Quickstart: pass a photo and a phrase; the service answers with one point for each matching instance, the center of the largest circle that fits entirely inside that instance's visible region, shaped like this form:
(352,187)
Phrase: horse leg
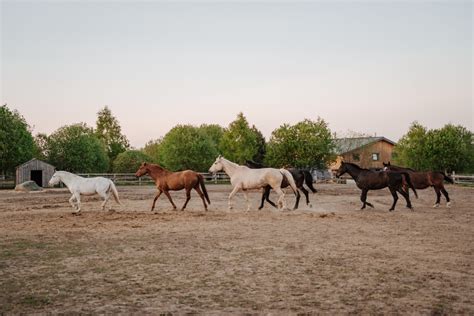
(266,196)
(297,202)
(188,197)
(406,195)
(281,198)
(78,201)
(438,197)
(71,201)
(198,190)
(246,199)
(395,198)
(363,198)
(106,197)
(446,195)
(231,195)
(306,193)
(156,198)
(169,198)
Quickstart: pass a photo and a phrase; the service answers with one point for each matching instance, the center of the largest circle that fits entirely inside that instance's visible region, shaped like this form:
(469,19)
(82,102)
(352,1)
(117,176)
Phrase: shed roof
(345,145)
(30,161)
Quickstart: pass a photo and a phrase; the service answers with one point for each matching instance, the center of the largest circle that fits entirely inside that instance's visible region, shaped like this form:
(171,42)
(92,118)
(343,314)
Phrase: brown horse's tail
(447,178)
(308,179)
(203,188)
(410,184)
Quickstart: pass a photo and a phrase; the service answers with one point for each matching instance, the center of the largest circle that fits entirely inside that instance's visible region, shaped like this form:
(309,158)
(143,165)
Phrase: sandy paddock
(328,259)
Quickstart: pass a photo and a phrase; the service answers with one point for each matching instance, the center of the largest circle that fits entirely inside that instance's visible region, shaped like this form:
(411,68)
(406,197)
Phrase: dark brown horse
(375,180)
(174,181)
(423,180)
(300,177)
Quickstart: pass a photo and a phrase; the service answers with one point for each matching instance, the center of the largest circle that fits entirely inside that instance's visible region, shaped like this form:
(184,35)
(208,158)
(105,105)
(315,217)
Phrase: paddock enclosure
(329,259)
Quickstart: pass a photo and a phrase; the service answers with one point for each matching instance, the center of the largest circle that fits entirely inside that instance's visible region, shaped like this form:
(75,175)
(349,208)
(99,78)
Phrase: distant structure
(367,152)
(35,170)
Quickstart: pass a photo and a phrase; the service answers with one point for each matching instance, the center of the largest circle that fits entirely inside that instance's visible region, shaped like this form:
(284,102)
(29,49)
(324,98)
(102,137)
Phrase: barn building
(35,170)
(366,152)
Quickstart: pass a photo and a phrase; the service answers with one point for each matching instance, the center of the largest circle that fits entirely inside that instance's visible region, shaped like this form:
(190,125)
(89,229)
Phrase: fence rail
(131,179)
(463,178)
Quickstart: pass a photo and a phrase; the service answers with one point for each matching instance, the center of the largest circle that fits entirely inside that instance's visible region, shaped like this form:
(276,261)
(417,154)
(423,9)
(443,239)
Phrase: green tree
(261,145)
(410,150)
(450,148)
(41,143)
(109,131)
(214,132)
(153,150)
(187,147)
(76,148)
(130,161)
(307,144)
(16,142)
(239,142)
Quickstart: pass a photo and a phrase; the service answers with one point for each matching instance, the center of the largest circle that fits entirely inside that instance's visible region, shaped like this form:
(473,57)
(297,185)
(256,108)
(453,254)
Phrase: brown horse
(174,181)
(367,180)
(423,180)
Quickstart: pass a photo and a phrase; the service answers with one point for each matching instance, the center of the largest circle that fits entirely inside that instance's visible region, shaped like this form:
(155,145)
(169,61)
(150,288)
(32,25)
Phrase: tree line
(307,144)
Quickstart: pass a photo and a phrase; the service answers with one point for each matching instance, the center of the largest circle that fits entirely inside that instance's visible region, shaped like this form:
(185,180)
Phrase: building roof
(345,145)
(29,161)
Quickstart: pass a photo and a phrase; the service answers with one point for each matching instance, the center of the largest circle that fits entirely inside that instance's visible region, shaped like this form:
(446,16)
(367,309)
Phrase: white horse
(244,178)
(87,186)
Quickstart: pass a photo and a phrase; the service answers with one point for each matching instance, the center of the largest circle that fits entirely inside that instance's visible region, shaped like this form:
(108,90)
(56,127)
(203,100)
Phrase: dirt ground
(327,259)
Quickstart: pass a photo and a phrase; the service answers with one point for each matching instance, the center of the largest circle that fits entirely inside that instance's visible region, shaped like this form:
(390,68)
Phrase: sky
(366,67)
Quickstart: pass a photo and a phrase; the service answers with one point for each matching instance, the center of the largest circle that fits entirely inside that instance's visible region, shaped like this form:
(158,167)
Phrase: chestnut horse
(166,180)
(423,180)
(366,180)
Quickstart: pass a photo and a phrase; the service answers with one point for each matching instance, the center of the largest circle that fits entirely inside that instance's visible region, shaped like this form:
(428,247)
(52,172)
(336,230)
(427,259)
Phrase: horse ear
(144,164)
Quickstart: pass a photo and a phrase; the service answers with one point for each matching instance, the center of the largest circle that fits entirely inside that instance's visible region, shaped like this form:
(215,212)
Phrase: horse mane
(354,165)
(156,166)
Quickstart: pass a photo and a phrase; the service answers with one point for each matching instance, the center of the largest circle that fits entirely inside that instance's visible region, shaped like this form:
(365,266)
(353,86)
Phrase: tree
(41,144)
(214,132)
(187,147)
(109,131)
(16,142)
(450,148)
(308,144)
(239,142)
(76,148)
(153,150)
(261,145)
(410,150)
(130,161)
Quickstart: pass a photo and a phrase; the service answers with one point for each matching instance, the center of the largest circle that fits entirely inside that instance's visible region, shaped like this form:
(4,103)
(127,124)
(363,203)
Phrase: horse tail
(410,184)
(447,178)
(203,187)
(290,180)
(308,179)
(114,192)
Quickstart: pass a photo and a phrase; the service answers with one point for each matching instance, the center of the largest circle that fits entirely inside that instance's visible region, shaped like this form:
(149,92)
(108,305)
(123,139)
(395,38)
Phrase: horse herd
(257,176)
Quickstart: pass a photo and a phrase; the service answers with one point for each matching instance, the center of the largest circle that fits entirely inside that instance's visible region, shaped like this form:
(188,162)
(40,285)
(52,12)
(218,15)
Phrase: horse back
(181,179)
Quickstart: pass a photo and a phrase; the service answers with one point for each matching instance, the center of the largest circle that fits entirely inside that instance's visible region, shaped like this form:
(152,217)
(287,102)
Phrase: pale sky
(370,67)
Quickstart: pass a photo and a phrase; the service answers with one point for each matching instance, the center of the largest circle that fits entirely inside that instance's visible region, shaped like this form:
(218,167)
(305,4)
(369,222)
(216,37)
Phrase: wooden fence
(463,178)
(131,179)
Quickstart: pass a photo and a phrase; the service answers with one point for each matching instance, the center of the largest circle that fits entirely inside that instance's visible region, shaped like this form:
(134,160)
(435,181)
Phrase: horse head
(55,179)
(386,166)
(342,169)
(142,170)
(217,165)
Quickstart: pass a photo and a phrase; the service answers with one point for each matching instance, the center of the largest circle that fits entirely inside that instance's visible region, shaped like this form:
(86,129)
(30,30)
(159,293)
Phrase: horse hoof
(436,205)
(448,205)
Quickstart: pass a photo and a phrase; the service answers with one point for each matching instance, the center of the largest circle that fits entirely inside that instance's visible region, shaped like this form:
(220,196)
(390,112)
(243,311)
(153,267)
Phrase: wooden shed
(35,170)
(367,152)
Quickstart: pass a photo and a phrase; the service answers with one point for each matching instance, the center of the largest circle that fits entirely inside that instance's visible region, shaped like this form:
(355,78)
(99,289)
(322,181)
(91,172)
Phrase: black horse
(300,177)
(422,180)
(375,180)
